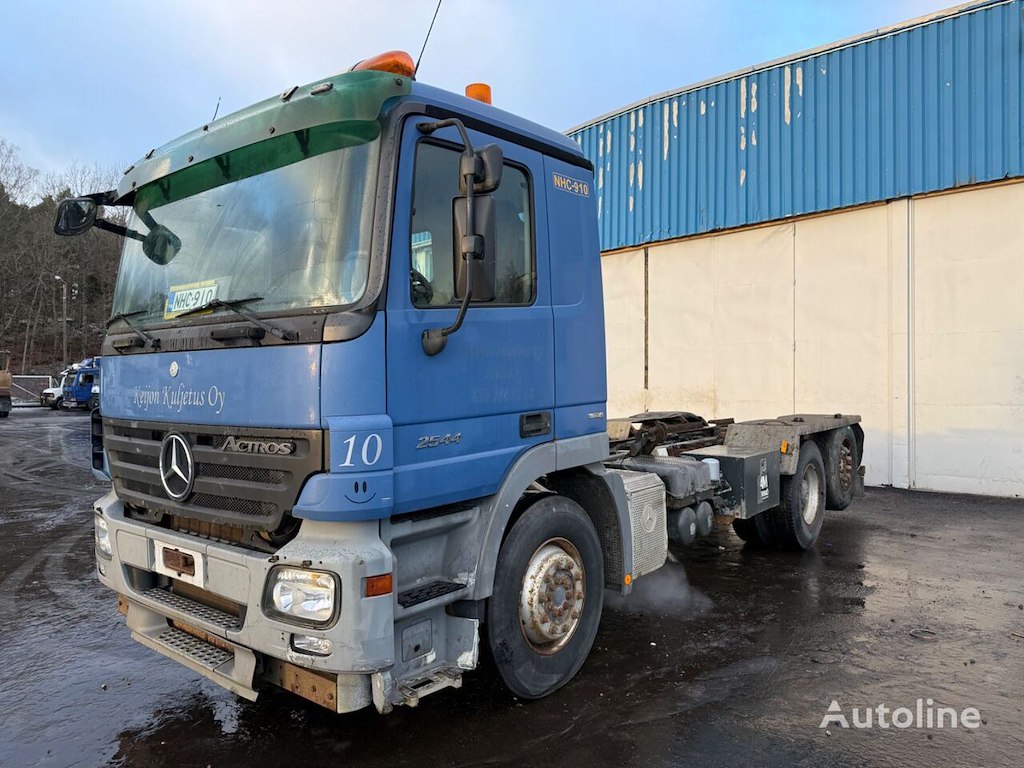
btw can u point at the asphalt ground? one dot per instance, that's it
(730, 656)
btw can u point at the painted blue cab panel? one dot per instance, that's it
(356, 496)
(457, 414)
(577, 300)
(353, 374)
(359, 483)
(235, 387)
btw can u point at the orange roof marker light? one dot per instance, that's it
(479, 91)
(395, 62)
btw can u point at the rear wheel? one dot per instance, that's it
(796, 522)
(841, 461)
(543, 615)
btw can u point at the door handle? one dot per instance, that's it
(535, 424)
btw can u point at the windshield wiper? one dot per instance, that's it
(142, 337)
(234, 306)
(124, 316)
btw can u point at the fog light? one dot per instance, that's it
(314, 646)
(102, 569)
(102, 535)
(301, 596)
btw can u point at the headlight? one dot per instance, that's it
(102, 535)
(95, 389)
(301, 596)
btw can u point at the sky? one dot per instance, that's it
(99, 84)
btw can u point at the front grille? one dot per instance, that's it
(246, 507)
(242, 489)
(252, 474)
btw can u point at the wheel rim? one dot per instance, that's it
(810, 492)
(846, 466)
(552, 595)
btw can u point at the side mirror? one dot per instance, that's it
(161, 245)
(75, 216)
(486, 165)
(474, 246)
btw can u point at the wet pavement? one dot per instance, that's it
(731, 656)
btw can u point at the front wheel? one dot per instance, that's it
(543, 615)
(796, 522)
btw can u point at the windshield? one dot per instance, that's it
(296, 237)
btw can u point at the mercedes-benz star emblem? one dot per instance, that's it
(177, 470)
(173, 370)
(648, 519)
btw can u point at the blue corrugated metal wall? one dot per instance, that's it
(918, 110)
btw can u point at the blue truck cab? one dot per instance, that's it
(354, 400)
(81, 385)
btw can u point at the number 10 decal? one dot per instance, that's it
(370, 451)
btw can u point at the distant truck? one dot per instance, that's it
(354, 404)
(81, 385)
(53, 396)
(5, 383)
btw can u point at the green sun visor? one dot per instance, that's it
(338, 112)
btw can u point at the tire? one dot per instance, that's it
(754, 531)
(841, 462)
(553, 544)
(796, 522)
(3, 414)
(55, 405)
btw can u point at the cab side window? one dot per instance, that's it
(435, 187)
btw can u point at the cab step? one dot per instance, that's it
(192, 610)
(410, 692)
(424, 592)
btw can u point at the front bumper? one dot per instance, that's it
(241, 651)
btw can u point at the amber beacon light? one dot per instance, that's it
(395, 62)
(479, 91)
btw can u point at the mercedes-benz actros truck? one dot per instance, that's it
(354, 404)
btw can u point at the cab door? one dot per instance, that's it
(463, 416)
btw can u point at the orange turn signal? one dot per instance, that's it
(395, 62)
(784, 448)
(375, 586)
(628, 579)
(479, 91)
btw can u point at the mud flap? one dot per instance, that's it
(382, 686)
(858, 481)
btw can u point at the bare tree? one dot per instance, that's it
(31, 255)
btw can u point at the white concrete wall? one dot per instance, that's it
(910, 313)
